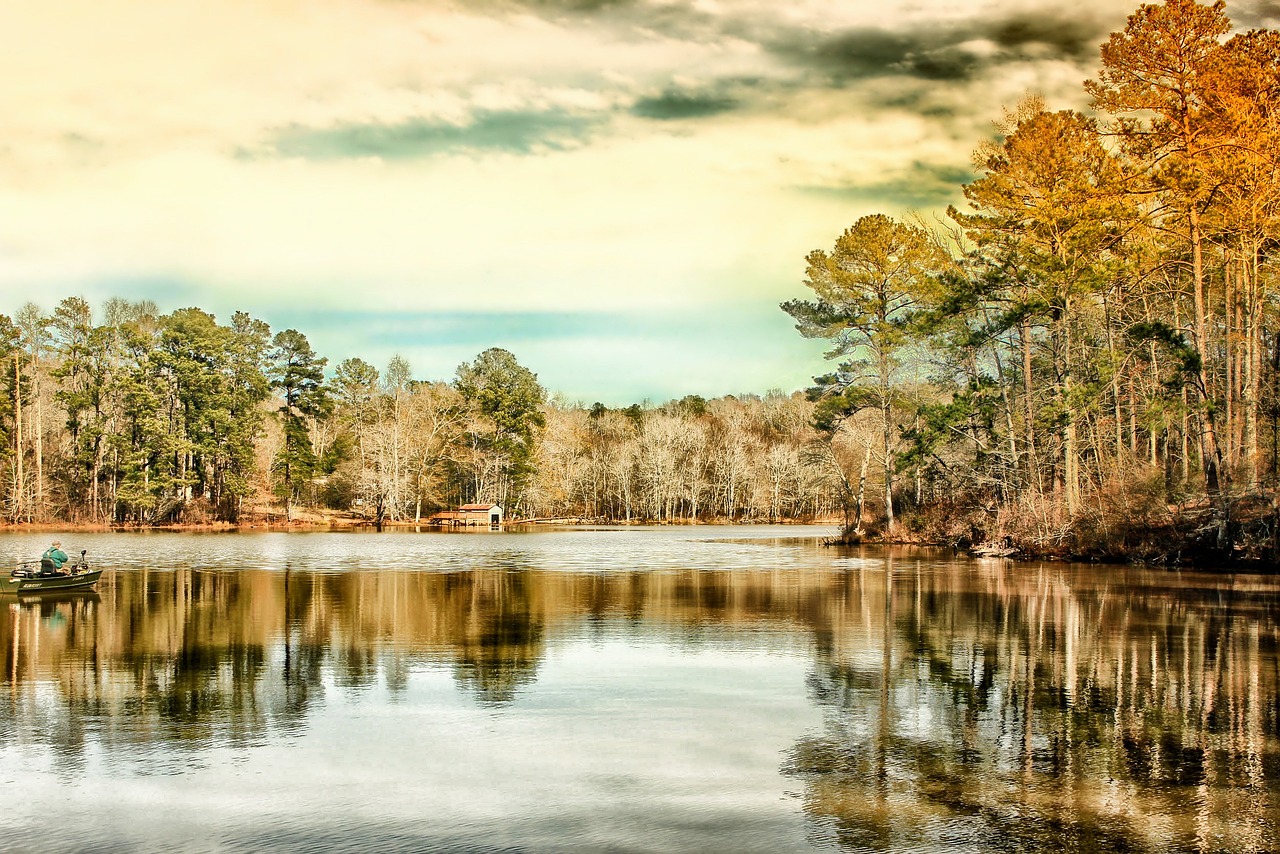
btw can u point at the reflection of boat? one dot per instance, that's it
(28, 578)
(45, 599)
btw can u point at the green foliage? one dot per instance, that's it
(505, 392)
(297, 373)
(690, 406)
(1188, 359)
(870, 288)
(355, 390)
(972, 415)
(9, 356)
(508, 402)
(186, 416)
(837, 400)
(84, 376)
(875, 290)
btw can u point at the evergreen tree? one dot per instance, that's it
(84, 378)
(10, 375)
(871, 288)
(297, 373)
(1047, 221)
(507, 401)
(1152, 79)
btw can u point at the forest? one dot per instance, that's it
(1087, 352)
(1081, 359)
(147, 419)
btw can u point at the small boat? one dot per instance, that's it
(31, 578)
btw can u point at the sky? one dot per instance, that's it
(619, 192)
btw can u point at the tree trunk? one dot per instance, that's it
(1033, 466)
(888, 468)
(39, 427)
(862, 490)
(1071, 466)
(1253, 352)
(1210, 456)
(19, 504)
(1070, 452)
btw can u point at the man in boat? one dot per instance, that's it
(53, 558)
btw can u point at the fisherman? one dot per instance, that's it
(53, 558)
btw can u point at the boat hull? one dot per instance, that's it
(25, 584)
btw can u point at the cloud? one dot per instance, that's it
(629, 18)
(919, 186)
(577, 6)
(675, 104)
(1074, 37)
(877, 52)
(499, 328)
(541, 172)
(930, 40)
(517, 131)
(350, 78)
(949, 51)
(1255, 14)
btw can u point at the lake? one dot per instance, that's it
(646, 689)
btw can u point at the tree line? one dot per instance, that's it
(130, 416)
(1096, 331)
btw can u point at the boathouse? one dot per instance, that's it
(470, 516)
(480, 514)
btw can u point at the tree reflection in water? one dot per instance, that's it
(984, 705)
(1028, 708)
(500, 643)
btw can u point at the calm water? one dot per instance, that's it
(692, 689)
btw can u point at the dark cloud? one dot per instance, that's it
(936, 52)
(925, 54)
(1072, 38)
(929, 51)
(676, 104)
(876, 52)
(578, 6)
(1255, 14)
(926, 186)
(518, 132)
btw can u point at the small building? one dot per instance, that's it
(469, 516)
(480, 514)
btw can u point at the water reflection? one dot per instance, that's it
(221, 656)
(1018, 709)
(978, 705)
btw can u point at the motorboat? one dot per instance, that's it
(33, 577)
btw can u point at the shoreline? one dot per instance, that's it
(339, 524)
(1192, 540)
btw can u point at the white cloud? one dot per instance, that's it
(133, 79)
